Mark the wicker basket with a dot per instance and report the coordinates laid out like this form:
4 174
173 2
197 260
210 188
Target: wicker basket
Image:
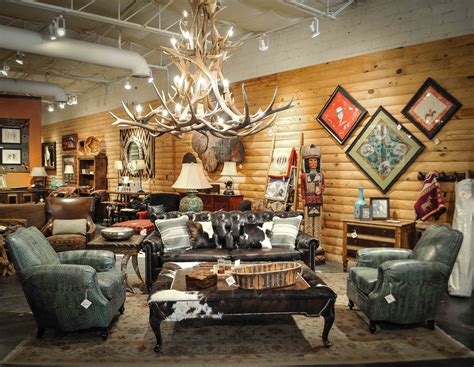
264 276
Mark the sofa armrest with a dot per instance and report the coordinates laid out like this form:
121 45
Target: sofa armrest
412 272
153 242
90 234
375 256
307 245
47 229
100 260
153 247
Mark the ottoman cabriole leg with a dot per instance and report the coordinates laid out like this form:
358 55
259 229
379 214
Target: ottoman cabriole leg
156 317
329 316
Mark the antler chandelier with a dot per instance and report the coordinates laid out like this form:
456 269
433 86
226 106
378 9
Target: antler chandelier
200 98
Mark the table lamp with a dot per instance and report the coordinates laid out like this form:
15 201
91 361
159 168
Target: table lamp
140 165
229 170
39 177
69 171
3 178
191 178
118 165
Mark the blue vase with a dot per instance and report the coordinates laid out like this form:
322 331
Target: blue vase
359 202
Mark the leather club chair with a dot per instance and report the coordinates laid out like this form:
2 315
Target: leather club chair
69 208
56 284
415 278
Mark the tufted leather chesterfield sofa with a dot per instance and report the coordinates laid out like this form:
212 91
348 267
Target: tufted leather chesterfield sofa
228 228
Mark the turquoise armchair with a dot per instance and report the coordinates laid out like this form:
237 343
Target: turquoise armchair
416 279
55 284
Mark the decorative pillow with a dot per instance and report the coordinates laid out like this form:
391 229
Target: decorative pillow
69 226
153 210
255 235
174 233
284 231
202 234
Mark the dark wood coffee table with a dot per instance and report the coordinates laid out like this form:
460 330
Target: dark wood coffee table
129 248
169 300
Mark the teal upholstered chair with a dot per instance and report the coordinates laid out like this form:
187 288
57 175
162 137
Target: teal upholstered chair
415 278
55 284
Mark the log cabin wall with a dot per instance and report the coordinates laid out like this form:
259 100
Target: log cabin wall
389 78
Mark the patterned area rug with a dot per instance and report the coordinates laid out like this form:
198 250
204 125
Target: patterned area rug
272 340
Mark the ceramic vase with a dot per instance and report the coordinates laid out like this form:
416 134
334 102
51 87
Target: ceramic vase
359 202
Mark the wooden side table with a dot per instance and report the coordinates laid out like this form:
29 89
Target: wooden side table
358 234
129 248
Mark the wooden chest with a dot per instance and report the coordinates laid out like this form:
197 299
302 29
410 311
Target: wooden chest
358 234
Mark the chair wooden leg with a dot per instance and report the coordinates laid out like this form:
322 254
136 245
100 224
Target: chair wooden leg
104 333
431 324
351 304
122 309
372 327
40 332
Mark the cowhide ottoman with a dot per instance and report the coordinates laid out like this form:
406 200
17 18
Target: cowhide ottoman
170 300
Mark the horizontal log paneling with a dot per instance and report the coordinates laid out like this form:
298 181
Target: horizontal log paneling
388 78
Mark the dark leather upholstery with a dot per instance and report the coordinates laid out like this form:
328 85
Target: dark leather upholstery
69 208
170 201
228 228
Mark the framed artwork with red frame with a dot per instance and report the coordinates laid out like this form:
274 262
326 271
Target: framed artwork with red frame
341 114
431 108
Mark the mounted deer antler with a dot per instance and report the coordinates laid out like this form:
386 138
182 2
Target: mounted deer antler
201 99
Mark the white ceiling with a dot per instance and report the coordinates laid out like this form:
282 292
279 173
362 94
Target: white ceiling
249 17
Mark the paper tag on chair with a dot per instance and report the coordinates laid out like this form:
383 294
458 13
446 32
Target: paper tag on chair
86 303
390 298
143 232
230 280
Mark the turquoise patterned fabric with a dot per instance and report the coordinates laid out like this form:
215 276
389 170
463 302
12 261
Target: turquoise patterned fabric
364 278
28 247
100 260
110 283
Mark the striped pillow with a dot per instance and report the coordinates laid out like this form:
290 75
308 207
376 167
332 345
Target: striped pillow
174 233
284 231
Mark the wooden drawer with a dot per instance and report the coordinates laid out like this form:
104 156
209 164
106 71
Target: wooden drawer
368 242
373 231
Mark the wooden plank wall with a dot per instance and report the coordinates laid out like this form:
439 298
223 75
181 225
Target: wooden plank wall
388 78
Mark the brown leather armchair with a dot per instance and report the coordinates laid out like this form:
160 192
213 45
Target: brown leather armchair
69 208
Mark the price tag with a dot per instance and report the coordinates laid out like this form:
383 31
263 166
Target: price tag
237 262
143 232
399 127
390 298
230 280
86 303
354 234
437 141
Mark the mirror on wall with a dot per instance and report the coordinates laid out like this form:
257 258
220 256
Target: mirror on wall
132 152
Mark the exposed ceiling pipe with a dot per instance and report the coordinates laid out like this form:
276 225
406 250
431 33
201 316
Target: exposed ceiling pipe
33 88
28 41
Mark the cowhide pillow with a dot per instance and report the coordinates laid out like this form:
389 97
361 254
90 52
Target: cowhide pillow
201 234
256 235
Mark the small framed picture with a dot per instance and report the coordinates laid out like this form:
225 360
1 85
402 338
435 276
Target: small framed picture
366 212
69 142
380 208
11 135
11 156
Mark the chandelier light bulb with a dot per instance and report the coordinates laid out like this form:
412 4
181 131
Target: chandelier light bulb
164 113
19 58
138 108
314 27
178 80
51 107
263 42
185 13
174 42
186 35
127 84
178 107
62 105
220 120
230 32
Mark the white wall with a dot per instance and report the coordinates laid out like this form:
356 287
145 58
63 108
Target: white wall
364 27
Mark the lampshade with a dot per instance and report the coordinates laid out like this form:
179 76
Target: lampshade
230 169
140 164
38 172
118 165
69 169
191 177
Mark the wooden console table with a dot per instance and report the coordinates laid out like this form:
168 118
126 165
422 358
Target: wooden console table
358 234
22 196
215 202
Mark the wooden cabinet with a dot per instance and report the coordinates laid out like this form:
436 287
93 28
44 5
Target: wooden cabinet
93 172
358 234
215 202
23 196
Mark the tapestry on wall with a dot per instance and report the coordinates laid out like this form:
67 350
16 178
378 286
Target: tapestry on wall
384 149
137 144
14 145
341 114
431 108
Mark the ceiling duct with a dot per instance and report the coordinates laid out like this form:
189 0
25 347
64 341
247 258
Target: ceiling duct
32 88
63 48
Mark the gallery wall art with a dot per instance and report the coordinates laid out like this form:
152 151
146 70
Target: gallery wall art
341 114
14 145
384 149
49 155
431 108
69 142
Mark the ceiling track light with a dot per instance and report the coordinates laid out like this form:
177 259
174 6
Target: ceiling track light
60 26
19 59
314 26
62 105
127 85
4 71
263 42
150 79
71 99
51 107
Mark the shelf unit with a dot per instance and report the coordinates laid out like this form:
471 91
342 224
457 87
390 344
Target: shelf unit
92 171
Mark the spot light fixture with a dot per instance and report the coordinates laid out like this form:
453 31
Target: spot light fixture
263 42
57 28
51 107
19 58
314 26
127 85
71 99
62 105
4 71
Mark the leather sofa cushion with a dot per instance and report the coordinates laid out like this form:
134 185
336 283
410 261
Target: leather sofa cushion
364 278
66 242
110 283
266 254
199 254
